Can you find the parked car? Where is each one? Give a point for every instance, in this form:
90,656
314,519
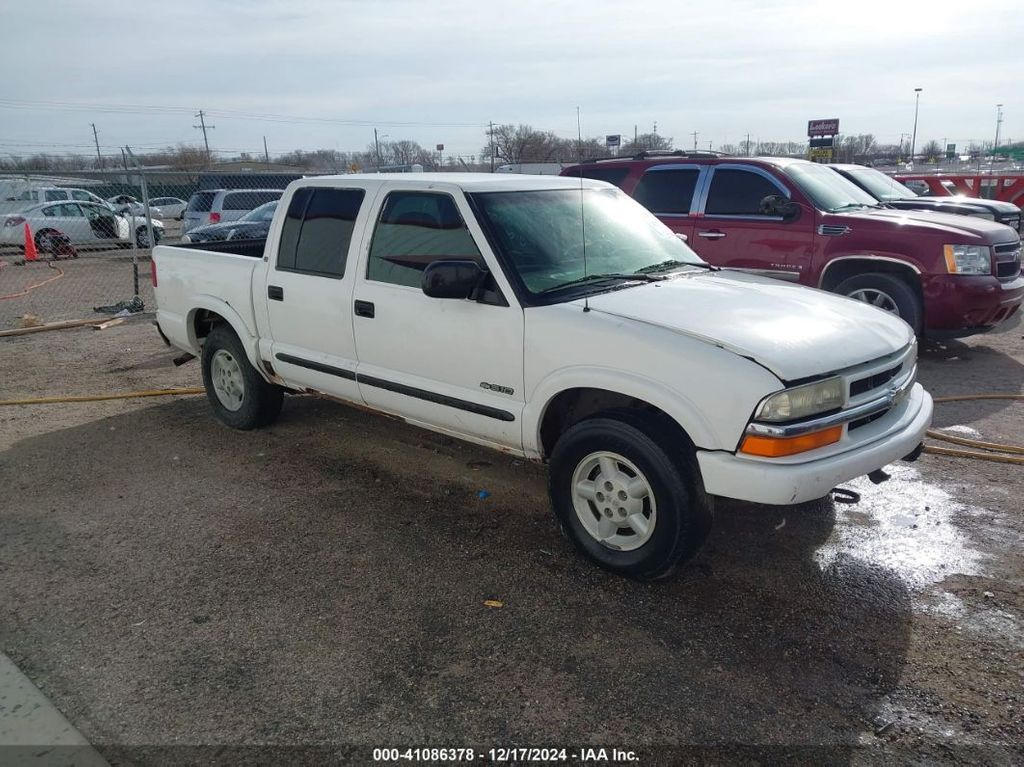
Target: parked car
170,207
801,221
55,194
254,225
215,206
480,306
892,193
83,223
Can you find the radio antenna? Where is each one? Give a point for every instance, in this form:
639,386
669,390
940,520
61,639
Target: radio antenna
583,218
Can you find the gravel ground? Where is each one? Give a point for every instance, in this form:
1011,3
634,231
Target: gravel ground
171,583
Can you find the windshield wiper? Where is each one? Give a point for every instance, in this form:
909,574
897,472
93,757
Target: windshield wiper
605,276
848,206
671,264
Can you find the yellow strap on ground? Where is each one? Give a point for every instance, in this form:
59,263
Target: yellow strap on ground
101,397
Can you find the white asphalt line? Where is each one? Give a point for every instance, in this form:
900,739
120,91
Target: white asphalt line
32,731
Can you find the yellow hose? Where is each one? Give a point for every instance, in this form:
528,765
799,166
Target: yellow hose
100,397
934,434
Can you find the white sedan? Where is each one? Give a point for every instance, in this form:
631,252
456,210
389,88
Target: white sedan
170,207
84,224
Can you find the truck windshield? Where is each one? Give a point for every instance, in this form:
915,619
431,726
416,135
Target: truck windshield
828,190
540,234
879,185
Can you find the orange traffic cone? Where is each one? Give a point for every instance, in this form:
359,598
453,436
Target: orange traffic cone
30,245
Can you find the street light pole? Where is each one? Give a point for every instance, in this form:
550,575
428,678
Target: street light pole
999,123
913,141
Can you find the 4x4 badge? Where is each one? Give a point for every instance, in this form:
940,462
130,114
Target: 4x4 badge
497,388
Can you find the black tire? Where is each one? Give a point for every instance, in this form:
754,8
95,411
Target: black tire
908,304
45,240
667,462
260,401
142,239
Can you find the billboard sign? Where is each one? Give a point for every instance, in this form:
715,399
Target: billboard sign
614,139
829,127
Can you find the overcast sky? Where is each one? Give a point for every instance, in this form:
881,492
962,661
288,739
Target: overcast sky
437,72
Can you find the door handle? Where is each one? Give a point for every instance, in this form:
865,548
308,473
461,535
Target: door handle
275,292
364,308
713,234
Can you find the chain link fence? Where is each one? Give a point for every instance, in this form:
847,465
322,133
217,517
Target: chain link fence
90,234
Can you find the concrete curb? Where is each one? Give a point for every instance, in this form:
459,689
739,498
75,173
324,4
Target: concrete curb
32,730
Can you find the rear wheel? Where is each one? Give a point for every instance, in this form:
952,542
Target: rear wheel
46,240
239,395
887,292
627,493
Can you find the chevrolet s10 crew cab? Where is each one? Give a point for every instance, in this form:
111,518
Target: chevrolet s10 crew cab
555,319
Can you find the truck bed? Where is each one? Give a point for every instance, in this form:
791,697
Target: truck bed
214,279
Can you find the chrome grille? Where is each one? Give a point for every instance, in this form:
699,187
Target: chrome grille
1007,260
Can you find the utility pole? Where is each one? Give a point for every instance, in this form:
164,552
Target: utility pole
490,133
748,145
204,127
376,144
694,134
266,154
96,138
913,139
635,136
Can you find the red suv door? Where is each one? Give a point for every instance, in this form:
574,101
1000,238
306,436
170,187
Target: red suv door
668,191
731,230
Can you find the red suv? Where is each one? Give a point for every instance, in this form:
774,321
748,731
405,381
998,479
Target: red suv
796,220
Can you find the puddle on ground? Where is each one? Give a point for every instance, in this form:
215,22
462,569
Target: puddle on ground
907,525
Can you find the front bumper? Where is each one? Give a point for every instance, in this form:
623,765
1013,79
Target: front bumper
960,305
779,483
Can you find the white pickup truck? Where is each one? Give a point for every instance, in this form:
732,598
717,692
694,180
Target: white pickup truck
557,320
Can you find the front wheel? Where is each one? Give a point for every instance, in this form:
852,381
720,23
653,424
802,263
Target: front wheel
627,494
886,292
240,397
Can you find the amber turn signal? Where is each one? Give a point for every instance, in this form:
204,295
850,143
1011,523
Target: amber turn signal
776,447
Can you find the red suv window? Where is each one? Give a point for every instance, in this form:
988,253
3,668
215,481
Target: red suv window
667,191
737,193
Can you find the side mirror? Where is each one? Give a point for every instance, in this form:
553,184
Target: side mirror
455,278
681,236
778,205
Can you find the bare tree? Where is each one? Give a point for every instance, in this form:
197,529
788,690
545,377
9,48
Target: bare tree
647,142
931,152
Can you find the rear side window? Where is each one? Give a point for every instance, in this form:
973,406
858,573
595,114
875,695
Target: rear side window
318,230
249,200
667,191
738,193
80,195
611,175
201,202
414,230
55,194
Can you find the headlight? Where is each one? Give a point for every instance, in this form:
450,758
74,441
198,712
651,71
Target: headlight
968,259
802,401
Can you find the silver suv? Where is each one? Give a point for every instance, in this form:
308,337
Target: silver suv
215,206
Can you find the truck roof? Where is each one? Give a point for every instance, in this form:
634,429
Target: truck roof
469,182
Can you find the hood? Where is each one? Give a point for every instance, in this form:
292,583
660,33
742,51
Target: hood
793,331
220,231
999,205
958,229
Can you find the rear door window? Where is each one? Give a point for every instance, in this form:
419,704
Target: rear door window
318,230
55,194
611,175
667,192
201,202
736,192
249,200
